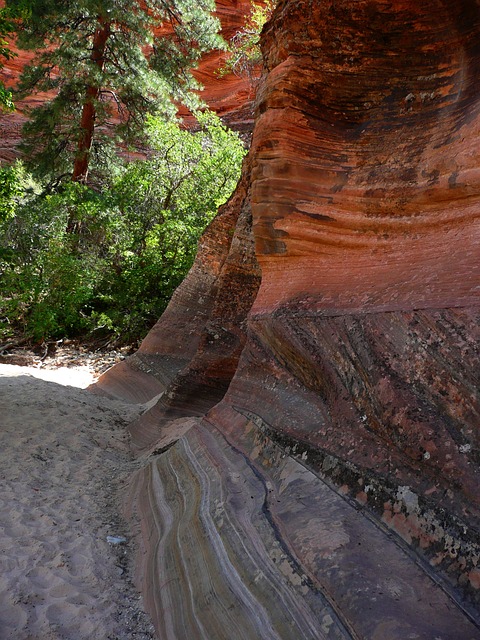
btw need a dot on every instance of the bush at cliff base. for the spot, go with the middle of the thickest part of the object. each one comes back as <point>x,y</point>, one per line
<point>77,261</point>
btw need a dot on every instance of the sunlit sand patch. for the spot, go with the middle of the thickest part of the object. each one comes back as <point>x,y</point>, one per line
<point>80,377</point>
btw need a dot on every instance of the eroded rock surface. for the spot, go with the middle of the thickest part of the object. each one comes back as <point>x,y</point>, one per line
<point>247,538</point>
<point>365,187</point>
<point>340,469</point>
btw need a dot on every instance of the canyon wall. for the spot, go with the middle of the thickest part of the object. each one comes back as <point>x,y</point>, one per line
<point>309,458</point>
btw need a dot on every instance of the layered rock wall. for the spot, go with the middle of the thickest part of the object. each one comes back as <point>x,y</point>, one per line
<point>365,197</point>
<point>366,164</point>
<point>340,468</point>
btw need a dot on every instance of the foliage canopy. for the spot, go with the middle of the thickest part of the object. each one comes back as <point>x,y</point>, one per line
<point>80,261</point>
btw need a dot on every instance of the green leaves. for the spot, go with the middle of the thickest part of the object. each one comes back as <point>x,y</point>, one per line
<point>6,28</point>
<point>164,204</point>
<point>197,169</point>
<point>244,47</point>
<point>6,99</point>
<point>75,259</point>
<point>12,188</point>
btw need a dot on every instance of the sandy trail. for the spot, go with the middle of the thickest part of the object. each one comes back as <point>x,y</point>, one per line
<point>64,462</point>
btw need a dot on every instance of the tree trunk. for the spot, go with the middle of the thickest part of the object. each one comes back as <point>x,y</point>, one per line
<point>87,123</point>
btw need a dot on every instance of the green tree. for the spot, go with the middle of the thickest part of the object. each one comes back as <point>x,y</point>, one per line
<point>162,206</point>
<point>109,63</point>
<point>12,189</point>
<point>244,47</point>
<point>6,53</point>
<point>115,269</point>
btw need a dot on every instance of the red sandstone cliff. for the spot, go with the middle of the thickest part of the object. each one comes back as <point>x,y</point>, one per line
<point>340,470</point>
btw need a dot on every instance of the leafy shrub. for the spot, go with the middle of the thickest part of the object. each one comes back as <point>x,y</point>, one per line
<point>6,53</point>
<point>12,188</point>
<point>77,260</point>
<point>45,277</point>
<point>162,205</point>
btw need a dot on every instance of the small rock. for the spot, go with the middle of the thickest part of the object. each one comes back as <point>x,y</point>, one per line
<point>116,540</point>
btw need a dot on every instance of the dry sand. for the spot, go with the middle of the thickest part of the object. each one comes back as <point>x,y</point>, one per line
<point>64,463</point>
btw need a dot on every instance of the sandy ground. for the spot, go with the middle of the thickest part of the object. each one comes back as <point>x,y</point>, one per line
<point>64,463</point>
